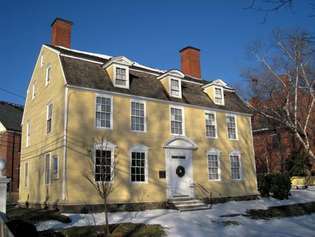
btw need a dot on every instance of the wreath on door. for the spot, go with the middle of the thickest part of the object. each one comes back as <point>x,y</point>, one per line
<point>180,171</point>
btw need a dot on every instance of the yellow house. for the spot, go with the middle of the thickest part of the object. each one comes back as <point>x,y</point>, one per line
<point>156,135</point>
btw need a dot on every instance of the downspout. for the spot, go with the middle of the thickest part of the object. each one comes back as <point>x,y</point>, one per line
<point>64,171</point>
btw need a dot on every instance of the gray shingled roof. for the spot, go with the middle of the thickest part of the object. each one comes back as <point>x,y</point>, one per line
<point>91,75</point>
<point>11,115</point>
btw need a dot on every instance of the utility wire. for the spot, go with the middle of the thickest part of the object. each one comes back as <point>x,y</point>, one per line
<point>12,93</point>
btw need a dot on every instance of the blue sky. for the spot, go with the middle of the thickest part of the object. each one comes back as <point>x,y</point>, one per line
<point>149,32</point>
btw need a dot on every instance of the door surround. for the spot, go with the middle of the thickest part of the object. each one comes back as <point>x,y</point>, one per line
<point>183,146</point>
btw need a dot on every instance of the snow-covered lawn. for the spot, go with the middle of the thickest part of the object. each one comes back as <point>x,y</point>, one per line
<point>212,222</point>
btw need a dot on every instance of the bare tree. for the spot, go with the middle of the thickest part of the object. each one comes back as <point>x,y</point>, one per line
<point>283,84</point>
<point>269,6</point>
<point>101,173</point>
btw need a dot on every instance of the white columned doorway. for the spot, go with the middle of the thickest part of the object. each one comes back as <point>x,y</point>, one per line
<point>179,167</point>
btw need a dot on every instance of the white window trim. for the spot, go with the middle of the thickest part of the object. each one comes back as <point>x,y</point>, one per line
<point>236,153</point>
<point>170,87</point>
<point>218,153</point>
<point>52,159</point>
<point>111,111</point>
<point>47,113</point>
<point>47,82</point>
<point>140,148</point>
<point>215,122</point>
<point>33,91</point>
<point>28,134</point>
<point>236,129</point>
<point>183,118</point>
<point>26,174</point>
<point>115,66</point>
<point>222,95</point>
<point>106,146</point>
<point>45,171</point>
<point>41,61</point>
<point>145,115</point>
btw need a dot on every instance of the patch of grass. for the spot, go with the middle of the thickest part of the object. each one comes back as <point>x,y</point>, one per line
<point>117,230</point>
<point>34,216</point>
<point>282,211</point>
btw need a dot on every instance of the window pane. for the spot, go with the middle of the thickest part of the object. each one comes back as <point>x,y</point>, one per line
<point>213,166</point>
<point>137,116</point>
<point>231,126</point>
<point>176,121</point>
<point>103,165</point>
<point>138,168</point>
<point>103,112</point>
<point>235,167</point>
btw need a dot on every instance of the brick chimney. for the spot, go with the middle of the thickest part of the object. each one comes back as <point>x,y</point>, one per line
<point>190,61</point>
<point>61,32</point>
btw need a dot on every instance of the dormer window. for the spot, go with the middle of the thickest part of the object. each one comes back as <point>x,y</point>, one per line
<point>175,88</point>
<point>218,96</point>
<point>121,76</point>
<point>118,71</point>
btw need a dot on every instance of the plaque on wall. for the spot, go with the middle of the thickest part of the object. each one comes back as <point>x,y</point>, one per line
<point>162,174</point>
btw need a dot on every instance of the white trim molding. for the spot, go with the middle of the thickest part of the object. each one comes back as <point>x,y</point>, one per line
<point>236,153</point>
<point>145,115</point>
<point>141,149</point>
<point>182,122</point>
<point>180,143</point>
<point>215,123</point>
<point>126,68</point>
<point>111,110</point>
<point>179,87</point>
<point>216,152</point>
<point>236,129</point>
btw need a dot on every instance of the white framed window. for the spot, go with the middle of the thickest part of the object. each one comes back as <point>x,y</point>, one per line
<point>48,75</point>
<point>28,134</point>
<point>214,171</point>
<point>177,120</point>
<point>235,158</point>
<point>231,126</point>
<point>121,76</point>
<point>33,91</point>
<point>211,124</point>
<point>104,111</point>
<point>175,88</point>
<point>49,118</point>
<point>138,116</point>
<point>139,164</point>
<point>55,167</point>
<point>104,162</point>
<point>218,96</point>
<point>26,174</point>
<point>47,168</point>
<point>41,61</point>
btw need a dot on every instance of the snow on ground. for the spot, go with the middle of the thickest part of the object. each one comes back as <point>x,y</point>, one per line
<point>211,222</point>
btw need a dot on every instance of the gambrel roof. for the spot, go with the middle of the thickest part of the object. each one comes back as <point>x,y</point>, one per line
<point>84,69</point>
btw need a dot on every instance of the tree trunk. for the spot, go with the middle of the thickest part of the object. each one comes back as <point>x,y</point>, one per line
<point>106,228</point>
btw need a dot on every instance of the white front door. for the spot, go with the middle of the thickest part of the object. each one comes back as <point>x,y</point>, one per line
<point>180,172</point>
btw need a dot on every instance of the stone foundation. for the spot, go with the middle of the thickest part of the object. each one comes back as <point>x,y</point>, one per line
<point>89,208</point>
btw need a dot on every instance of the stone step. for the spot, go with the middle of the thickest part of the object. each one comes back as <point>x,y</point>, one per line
<point>180,205</point>
<point>188,204</point>
<point>204,207</point>
<point>190,201</point>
